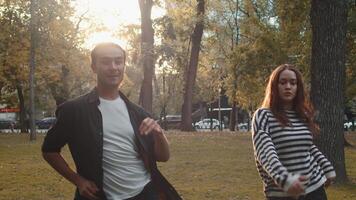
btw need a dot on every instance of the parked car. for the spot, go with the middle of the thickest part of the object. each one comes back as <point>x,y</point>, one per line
<point>348,126</point>
<point>46,123</point>
<point>8,124</point>
<point>171,122</point>
<point>205,124</point>
<point>243,127</point>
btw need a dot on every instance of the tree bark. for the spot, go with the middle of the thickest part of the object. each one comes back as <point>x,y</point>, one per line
<point>191,71</point>
<point>328,20</point>
<point>234,43</point>
<point>233,114</point>
<point>147,54</point>
<point>60,91</point>
<point>33,25</point>
<point>23,121</point>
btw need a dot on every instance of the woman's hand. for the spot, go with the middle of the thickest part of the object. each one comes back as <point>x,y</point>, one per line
<point>297,187</point>
<point>328,182</point>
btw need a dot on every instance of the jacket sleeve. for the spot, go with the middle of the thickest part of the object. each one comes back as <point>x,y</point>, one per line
<point>324,164</point>
<point>143,114</point>
<point>265,152</point>
<point>139,115</point>
<point>57,136</point>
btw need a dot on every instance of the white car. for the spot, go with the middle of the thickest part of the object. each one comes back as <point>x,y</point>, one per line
<point>348,125</point>
<point>243,127</point>
<point>205,124</point>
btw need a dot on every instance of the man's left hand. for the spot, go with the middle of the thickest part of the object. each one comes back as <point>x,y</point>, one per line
<point>150,126</point>
<point>161,147</point>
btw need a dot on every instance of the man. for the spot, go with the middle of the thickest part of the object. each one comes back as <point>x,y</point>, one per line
<point>113,142</point>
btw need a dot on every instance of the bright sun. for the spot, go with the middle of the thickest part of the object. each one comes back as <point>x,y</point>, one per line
<point>112,14</point>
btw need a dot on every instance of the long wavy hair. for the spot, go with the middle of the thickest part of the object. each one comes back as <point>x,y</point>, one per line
<point>301,104</point>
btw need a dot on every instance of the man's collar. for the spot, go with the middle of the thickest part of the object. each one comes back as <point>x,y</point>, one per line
<point>94,96</point>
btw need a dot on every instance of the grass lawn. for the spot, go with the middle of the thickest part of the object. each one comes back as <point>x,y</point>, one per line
<point>203,165</point>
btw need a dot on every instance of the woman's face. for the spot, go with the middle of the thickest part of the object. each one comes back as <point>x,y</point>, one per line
<point>287,87</point>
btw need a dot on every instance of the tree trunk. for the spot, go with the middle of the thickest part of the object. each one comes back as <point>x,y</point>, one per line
<point>23,121</point>
<point>328,20</point>
<point>163,112</point>
<point>60,91</point>
<point>33,25</point>
<point>191,72</point>
<point>233,115</point>
<point>147,54</point>
<point>234,43</point>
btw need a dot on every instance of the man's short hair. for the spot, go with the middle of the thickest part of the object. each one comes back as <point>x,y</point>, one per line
<point>93,53</point>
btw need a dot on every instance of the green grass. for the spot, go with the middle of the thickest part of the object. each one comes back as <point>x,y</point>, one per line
<point>202,166</point>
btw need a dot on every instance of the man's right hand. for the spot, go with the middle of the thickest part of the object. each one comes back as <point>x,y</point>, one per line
<point>297,187</point>
<point>87,188</point>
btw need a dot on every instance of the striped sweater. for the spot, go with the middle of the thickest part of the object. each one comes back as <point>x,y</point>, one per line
<point>282,154</point>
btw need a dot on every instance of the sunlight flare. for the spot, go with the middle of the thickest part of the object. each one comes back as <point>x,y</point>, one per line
<point>112,15</point>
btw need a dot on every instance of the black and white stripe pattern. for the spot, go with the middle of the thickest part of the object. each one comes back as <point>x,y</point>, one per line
<point>283,154</point>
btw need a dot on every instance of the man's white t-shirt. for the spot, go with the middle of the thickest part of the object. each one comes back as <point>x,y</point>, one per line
<point>124,174</point>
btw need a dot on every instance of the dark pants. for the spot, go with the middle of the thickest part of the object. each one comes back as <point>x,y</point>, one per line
<point>149,192</point>
<point>318,194</point>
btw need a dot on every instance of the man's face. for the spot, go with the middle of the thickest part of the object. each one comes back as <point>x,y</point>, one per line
<point>109,66</point>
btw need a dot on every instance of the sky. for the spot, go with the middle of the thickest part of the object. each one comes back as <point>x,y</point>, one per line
<point>113,14</point>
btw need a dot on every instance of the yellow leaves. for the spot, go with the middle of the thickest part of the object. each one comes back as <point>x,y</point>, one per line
<point>57,46</point>
<point>183,14</point>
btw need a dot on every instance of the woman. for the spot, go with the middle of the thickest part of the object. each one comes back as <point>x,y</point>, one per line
<point>288,162</point>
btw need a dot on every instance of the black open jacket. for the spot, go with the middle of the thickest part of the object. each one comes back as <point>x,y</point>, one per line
<point>79,124</point>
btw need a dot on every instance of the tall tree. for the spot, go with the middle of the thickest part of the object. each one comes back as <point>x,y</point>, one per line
<point>174,30</point>
<point>33,31</point>
<point>329,19</point>
<point>350,109</point>
<point>60,72</point>
<point>147,54</point>
<point>14,55</point>
<point>226,38</point>
<point>191,70</point>
<point>270,33</point>
<point>258,51</point>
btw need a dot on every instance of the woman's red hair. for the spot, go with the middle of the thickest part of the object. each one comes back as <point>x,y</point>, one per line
<point>301,103</point>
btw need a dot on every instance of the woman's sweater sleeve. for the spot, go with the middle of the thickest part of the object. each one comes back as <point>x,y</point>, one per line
<point>266,154</point>
<point>324,164</point>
